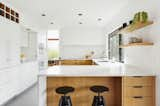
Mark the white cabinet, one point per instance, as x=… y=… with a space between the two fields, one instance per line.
x=24 y=37
x=9 y=43
x=42 y=87
x=28 y=75
x=29 y=44
x=8 y=84
x=42 y=50
x=14 y=77
x=27 y=37
x=15 y=80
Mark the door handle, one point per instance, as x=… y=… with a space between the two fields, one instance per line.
x=137 y=86
x=138 y=97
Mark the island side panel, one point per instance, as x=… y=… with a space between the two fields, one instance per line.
x=42 y=94
x=82 y=95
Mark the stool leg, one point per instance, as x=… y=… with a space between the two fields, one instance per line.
x=69 y=101
x=95 y=101
x=65 y=101
x=101 y=101
x=98 y=101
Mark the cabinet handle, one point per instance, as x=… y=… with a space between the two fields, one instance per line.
x=138 y=97
x=137 y=86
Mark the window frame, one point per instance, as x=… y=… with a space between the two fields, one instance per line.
x=121 y=56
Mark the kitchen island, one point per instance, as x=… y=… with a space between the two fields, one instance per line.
x=129 y=85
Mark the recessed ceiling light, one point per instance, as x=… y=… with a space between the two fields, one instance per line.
x=80 y=14
x=43 y=15
x=51 y=23
x=99 y=19
x=80 y=23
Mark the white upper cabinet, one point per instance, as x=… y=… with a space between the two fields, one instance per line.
x=9 y=43
x=24 y=37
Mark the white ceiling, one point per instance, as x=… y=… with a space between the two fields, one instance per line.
x=63 y=13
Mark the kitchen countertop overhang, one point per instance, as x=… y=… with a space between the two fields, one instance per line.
x=110 y=70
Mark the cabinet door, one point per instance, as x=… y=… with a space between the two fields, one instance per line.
x=139 y=101
x=138 y=91
x=3 y=39
x=28 y=75
x=24 y=37
x=8 y=84
x=136 y=81
x=9 y=43
x=14 y=44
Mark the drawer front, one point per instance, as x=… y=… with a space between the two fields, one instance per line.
x=76 y=62
x=138 y=81
x=139 y=91
x=68 y=62
x=84 y=62
x=138 y=101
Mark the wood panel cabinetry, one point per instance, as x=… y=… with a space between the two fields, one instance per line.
x=82 y=96
x=70 y=62
x=76 y=62
x=138 y=91
x=123 y=91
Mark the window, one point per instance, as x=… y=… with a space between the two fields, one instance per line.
x=115 y=53
x=53 y=44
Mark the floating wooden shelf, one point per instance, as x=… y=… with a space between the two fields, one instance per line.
x=137 y=44
x=134 y=27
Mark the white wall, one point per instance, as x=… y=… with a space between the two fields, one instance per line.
x=76 y=42
x=146 y=57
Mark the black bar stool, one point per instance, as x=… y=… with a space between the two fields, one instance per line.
x=99 y=100
x=65 y=100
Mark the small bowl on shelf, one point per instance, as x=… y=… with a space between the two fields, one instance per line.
x=135 y=40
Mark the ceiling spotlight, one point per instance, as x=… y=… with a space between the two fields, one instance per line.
x=43 y=15
x=80 y=14
x=99 y=19
x=52 y=23
x=80 y=23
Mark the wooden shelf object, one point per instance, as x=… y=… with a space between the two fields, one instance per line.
x=134 y=27
x=2 y=6
x=9 y=13
x=137 y=44
x=1 y=13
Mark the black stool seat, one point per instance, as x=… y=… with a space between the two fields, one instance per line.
x=99 y=89
x=64 y=90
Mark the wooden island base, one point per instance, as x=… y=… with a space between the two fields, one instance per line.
x=118 y=95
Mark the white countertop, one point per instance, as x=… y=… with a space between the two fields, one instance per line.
x=95 y=71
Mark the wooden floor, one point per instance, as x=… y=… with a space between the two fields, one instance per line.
x=82 y=95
